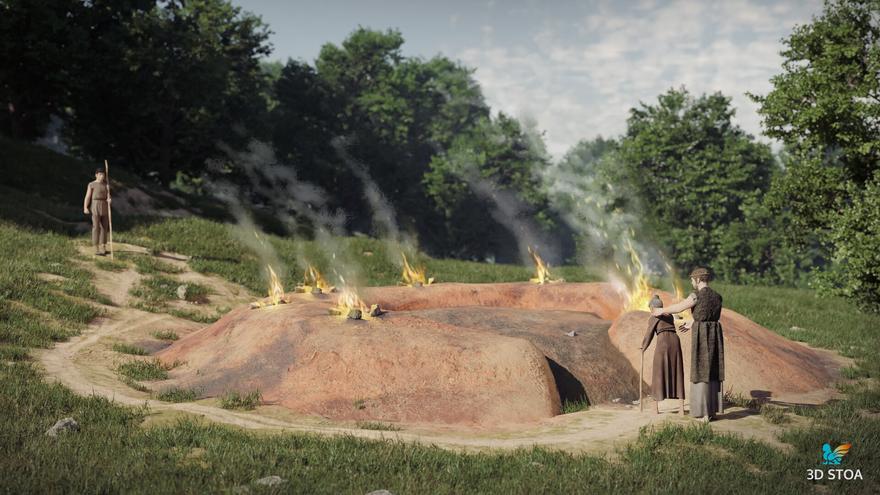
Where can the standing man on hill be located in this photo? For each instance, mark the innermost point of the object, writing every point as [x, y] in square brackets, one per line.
[97, 202]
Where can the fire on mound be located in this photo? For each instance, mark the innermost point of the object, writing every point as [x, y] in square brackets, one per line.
[475, 354]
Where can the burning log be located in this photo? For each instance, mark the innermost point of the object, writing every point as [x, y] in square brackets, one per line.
[276, 292]
[414, 277]
[351, 306]
[315, 283]
[542, 270]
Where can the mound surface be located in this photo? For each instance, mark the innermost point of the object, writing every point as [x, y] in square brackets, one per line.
[476, 354]
[758, 362]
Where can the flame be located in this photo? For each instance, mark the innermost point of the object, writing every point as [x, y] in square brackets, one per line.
[639, 288]
[678, 287]
[276, 291]
[542, 270]
[313, 278]
[348, 300]
[413, 276]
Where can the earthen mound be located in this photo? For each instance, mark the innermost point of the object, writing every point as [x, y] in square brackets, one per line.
[758, 362]
[478, 354]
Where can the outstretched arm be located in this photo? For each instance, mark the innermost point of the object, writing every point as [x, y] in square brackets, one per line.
[684, 304]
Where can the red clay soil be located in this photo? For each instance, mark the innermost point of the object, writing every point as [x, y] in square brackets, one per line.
[471, 354]
[758, 362]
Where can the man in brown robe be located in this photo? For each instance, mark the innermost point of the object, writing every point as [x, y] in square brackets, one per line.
[97, 203]
[667, 377]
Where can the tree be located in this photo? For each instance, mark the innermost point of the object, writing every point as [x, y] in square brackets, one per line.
[855, 272]
[827, 99]
[165, 85]
[825, 106]
[692, 170]
[494, 157]
[41, 43]
[395, 114]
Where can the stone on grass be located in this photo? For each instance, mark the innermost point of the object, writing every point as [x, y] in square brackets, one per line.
[181, 291]
[63, 425]
[270, 481]
[380, 492]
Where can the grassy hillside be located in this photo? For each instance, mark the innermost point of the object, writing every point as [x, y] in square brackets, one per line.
[113, 452]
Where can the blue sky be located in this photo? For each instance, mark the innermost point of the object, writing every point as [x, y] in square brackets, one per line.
[575, 68]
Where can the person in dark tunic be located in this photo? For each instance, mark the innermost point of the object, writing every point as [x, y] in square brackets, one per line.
[97, 203]
[707, 344]
[667, 378]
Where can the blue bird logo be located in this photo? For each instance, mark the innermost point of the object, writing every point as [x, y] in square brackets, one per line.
[834, 457]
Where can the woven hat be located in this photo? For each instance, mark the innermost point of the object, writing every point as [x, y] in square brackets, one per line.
[702, 273]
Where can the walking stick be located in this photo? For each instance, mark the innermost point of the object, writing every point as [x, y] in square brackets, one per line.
[641, 372]
[721, 397]
[109, 208]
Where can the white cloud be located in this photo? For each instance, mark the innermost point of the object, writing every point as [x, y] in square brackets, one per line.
[579, 77]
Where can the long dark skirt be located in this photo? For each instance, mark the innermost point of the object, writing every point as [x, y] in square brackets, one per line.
[667, 379]
[707, 352]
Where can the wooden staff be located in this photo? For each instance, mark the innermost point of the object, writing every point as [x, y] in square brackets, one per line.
[641, 372]
[109, 208]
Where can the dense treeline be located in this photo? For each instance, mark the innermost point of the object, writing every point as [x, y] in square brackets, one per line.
[164, 87]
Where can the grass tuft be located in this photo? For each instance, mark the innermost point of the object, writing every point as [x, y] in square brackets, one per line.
[375, 425]
[130, 349]
[177, 394]
[143, 370]
[236, 400]
[165, 335]
[569, 407]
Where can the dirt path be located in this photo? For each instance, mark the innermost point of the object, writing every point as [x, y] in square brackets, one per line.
[86, 365]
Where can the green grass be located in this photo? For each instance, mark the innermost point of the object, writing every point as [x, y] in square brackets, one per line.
[215, 249]
[165, 335]
[195, 316]
[109, 265]
[143, 370]
[135, 385]
[575, 406]
[13, 353]
[129, 349]
[154, 292]
[236, 400]
[113, 453]
[774, 414]
[377, 425]
[146, 264]
[177, 394]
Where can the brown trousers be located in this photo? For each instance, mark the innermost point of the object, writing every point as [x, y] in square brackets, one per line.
[100, 222]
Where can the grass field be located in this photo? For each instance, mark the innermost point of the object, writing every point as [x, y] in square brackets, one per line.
[45, 298]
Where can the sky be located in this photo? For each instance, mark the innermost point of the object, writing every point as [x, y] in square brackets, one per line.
[574, 67]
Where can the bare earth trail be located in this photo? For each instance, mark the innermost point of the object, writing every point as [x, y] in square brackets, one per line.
[86, 364]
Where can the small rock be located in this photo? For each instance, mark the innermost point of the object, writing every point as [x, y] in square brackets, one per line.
[380, 492]
[375, 310]
[181, 291]
[63, 425]
[571, 333]
[270, 481]
[536, 464]
[796, 329]
[355, 314]
[418, 284]
[316, 290]
[616, 400]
